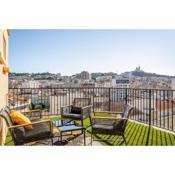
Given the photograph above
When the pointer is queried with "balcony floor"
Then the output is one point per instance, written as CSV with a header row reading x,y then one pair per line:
x,y
136,135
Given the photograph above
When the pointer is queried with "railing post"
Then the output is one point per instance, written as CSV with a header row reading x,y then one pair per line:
x,y
69,96
109,99
93,99
150,107
126,96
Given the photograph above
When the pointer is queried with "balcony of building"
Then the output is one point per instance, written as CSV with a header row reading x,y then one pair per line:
x,y
151,123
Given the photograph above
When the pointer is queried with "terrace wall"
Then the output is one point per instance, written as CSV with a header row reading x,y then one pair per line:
x,y
4,35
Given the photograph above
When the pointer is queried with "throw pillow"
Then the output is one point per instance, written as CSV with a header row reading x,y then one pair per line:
x,y
20,119
76,110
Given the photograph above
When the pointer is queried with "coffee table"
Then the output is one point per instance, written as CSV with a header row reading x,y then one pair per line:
x,y
69,126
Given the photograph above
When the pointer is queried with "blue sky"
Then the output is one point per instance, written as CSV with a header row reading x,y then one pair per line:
x,y
72,51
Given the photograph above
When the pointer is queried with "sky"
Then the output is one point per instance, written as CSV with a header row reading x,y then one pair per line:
x,y
72,51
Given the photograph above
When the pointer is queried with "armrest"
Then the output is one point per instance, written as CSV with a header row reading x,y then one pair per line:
x,y
110,112
109,118
85,107
33,123
117,112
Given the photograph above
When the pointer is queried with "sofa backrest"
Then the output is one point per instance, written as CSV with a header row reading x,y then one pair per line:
x,y
5,113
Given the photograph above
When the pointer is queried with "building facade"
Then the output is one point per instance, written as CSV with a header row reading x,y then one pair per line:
x,y
122,83
173,83
30,84
84,75
4,70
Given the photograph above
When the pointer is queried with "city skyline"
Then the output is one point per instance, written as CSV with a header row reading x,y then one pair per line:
x,y
55,73
71,51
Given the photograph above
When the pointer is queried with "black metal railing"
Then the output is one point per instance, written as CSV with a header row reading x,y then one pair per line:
x,y
151,106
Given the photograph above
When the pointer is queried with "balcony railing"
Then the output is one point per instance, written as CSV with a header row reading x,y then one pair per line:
x,y
151,106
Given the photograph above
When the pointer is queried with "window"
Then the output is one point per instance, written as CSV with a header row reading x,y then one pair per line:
x,y
4,48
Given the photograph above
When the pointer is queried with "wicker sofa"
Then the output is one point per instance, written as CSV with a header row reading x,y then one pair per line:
x,y
41,129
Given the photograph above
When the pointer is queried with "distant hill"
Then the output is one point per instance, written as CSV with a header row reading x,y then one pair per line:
x,y
31,74
146,74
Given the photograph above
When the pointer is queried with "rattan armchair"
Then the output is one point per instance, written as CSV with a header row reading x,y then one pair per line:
x,y
112,125
41,130
79,110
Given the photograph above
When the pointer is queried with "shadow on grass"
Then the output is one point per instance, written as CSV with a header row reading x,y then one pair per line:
x,y
139,135
148,135
106,139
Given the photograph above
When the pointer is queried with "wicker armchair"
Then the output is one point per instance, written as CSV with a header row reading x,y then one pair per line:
x,y
111,125
41,130
80,110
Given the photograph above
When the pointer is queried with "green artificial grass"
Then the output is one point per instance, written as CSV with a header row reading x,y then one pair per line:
x,y
136,135
9,141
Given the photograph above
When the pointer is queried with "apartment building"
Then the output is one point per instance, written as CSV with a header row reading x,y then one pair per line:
x,y
173,84
30,84
84,75
122,83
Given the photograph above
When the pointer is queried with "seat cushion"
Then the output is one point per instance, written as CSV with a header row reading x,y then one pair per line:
x,y
102,129
113,127
39,131
103,122
19,132
73,116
